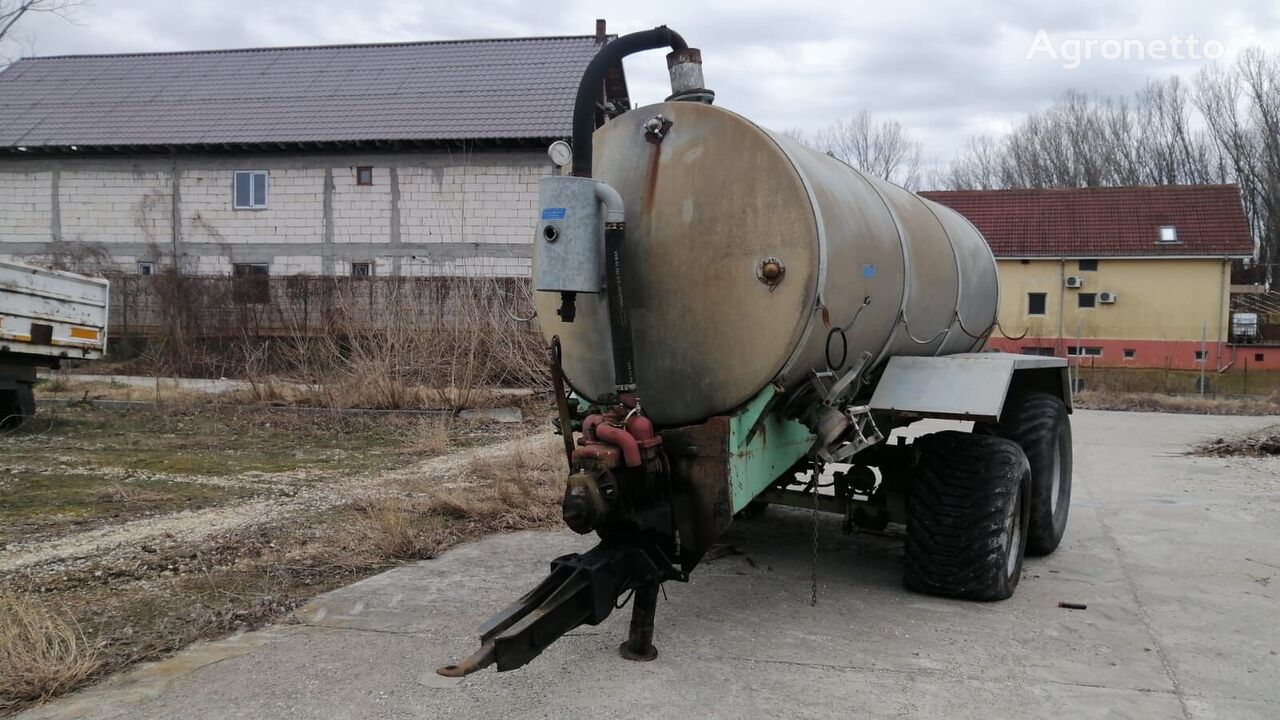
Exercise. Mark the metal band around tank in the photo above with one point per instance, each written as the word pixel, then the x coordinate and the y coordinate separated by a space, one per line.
pixel 955 258
pixel 906 274
pixel 820 286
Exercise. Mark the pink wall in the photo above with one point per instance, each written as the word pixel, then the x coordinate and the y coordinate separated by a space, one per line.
pixel 1174 354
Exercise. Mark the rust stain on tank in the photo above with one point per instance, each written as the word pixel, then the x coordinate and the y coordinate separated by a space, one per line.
pixel 651 179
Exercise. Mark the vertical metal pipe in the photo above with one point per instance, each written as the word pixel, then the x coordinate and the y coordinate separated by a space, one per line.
pixel 562 403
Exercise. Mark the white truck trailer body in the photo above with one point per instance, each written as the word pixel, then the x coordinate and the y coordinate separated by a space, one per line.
pixel 51 313
pixel 46 316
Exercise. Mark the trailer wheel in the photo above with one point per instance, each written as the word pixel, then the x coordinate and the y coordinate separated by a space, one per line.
pixel 16 405
pixel 1040 424
pixel 967 515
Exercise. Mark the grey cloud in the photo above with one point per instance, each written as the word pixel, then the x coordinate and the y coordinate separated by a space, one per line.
pixel 946 70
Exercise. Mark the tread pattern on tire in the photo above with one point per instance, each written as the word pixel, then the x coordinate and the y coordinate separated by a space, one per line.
pixel 1032 420
pixel 956 515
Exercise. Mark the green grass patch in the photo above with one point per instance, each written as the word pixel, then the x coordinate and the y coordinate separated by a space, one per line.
pixel 213 441
pixel 38 504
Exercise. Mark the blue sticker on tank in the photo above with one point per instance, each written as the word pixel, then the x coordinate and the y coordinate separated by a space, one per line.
pixel 552 213
pixel 868 271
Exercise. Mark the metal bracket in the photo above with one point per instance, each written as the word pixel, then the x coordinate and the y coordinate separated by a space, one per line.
pixel 840 390
pixel 860 434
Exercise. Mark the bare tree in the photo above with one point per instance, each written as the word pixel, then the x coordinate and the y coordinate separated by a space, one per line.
pixel 1085 141
pixel 12 11
pixel 977 167
pixel 796 134
pixel 1241 106
pixel 883 149
pixel 1223 128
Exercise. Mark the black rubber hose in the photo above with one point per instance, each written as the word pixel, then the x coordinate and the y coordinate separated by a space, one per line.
pixel 624 372
pixel 584 108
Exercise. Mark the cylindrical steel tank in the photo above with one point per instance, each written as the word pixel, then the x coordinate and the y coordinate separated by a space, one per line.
pixel 714 206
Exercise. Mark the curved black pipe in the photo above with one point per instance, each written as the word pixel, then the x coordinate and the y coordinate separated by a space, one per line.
pixel 584 107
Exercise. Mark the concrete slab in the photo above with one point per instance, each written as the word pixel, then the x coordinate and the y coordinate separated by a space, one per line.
pixel 1176 557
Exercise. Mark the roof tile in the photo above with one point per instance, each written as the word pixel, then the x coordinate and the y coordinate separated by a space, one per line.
pixel 1106 222
pixel 520 88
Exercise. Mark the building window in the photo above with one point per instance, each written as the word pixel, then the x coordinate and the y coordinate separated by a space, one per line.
pixel 1200 355
pixel 1087 300
pixel 1088 265
pixel 252 283
pixel 1130 353
pixel 146 267
pixel 251 189
pixel 361 269
pixel 1168 234
pixel 1074 351
pixel 1257 357
pixel 364 175
pixel 1037 350
pixel 1035 303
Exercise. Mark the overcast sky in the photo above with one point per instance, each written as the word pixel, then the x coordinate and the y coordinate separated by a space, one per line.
pixel 946 70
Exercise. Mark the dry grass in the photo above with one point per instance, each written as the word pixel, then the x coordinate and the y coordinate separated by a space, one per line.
pixel 431 436
pixel 1263 443
pixel 515 490
pixel 388 526
pixel 1191 404
pixel 143 600
pixel 42 654
pixel 129 495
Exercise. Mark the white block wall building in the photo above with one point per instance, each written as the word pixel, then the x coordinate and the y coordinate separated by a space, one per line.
pixel 424 213
pixel 407 159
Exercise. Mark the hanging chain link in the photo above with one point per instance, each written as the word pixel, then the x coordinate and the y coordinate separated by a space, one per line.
pixel 813 581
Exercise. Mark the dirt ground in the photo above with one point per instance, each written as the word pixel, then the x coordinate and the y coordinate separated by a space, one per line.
pixel 141 530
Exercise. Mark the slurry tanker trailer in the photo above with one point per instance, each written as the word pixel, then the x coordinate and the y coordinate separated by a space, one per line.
pixel 736 320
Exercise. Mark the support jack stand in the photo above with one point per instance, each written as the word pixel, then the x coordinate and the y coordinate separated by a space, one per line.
pixel 644 607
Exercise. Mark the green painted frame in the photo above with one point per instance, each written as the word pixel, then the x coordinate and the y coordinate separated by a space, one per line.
pixel 762 446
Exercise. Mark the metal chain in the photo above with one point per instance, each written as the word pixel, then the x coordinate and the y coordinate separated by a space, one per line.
pixel 813 583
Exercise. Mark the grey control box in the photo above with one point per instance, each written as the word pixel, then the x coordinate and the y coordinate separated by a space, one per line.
pixel 569 245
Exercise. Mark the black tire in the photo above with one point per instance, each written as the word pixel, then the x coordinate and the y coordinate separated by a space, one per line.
pixel 966 516
pixel 1040 424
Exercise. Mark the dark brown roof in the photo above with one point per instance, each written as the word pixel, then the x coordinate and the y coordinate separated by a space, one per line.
pixel 1106 222
pixel 520 88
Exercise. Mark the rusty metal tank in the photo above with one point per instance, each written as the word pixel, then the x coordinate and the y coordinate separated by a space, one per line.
pixel 744 249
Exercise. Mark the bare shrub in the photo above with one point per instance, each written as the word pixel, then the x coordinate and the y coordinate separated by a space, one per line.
pixel 445 344
pixel 42 654
pixel 393 342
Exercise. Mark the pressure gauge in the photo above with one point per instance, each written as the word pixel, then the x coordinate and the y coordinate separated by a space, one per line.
pixel 560 152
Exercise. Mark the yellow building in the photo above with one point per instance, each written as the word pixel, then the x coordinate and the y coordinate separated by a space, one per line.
pixel 1114 276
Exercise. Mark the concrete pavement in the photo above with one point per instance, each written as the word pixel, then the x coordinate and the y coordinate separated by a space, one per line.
pixel 1177 557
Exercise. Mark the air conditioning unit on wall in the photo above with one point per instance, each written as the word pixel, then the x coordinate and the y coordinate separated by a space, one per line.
pixel 1075 281
pixel 1107 296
